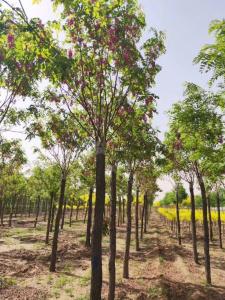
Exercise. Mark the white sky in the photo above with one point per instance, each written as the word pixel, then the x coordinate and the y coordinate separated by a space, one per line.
pixel 186 26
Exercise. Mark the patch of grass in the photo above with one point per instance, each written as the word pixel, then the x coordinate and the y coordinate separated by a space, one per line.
pixel 161 259
pixel 6 282
pixel 83 298
pixel 49 279
pixel 155 291
pixel 62 281
pixel 85 280
pixel 56 294
pixel 70 292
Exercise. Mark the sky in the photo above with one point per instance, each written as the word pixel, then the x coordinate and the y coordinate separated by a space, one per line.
pixel 185 23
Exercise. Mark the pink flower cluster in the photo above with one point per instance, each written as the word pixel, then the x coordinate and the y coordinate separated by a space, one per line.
pixel 10 40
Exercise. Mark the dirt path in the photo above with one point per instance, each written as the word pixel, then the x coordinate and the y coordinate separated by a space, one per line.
pixel 178 275
pixel 160 270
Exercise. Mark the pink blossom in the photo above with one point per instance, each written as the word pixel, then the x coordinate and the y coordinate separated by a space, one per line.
pixel 70 22
pixel 70 53
pixel 10 40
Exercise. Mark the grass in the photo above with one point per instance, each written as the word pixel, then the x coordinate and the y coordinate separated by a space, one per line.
pixel 155 291
pixel 62 281
pixel 6 282
pixel 161 259
pixel 85 280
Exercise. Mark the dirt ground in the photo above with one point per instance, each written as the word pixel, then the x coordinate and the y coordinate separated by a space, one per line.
pixel 161 270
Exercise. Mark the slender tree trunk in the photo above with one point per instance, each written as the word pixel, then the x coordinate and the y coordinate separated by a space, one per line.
pixel 63 214
pixel 46 210
pixel 96 244
pixel 53 216
pixel 77 210
pixel 37 211
pixel 2 213
pixel 29 210
pixel 49 218
pixel 11 212
pixel 123 218
pixel 193 223
pixel 85 215
pixel 119 213
pixel 142 216
pixel 89 219
pixel 57 224
pixel 205 228
pixel 210 219
pixel 219 219
pixel 146 214
pixel 137 220
pixel 112 236
pixel 128 234
pixel 71 213
pixel 178 217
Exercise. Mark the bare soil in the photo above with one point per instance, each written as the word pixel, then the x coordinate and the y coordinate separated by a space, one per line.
pixel 160 270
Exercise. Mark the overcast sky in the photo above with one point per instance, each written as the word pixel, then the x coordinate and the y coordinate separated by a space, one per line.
pixel 185 23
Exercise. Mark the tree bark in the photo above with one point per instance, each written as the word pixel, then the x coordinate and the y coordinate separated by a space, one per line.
pixel 53 216
pixel 89 219
pixel 96 244
pixel 178 217
pixel 71 213
pixel 146 213
pixel 57 224
pixel 112 236
pixel 119 213
pixel 77 210
pixel 193 223
pixel 210 219
pixel 123 217
pixel 137 220
pixel 49 219
pixel 128 234
pixel 205 227
pixel 37 211
pixel 63 214
pixel 142 216
pixel 219 219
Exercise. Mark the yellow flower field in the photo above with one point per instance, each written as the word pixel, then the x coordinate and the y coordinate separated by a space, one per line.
pixel 185 214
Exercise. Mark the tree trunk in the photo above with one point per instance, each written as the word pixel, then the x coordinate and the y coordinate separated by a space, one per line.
pixel 123 218
pixel 85 215
pixel 146 214
pixel 128 234
pixel 136 220
pixel 89 219
pixel 178 217
pixel 219 219
pixel 37 211
pixel 210 219
pixel 77 210
pixel 119 213
pixel 96 244
pixel 53 216
pixel 112 236
pixel 49 218
pixel 46 210
pixel 57 224
pixel 63 215
pixel 2 213
pixel 205 228
pixel 193 223
pixel 142 216
pixel 11 212
pixel 29 210
pixel 71 213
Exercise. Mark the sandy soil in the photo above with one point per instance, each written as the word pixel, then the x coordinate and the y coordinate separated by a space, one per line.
pixel 161 270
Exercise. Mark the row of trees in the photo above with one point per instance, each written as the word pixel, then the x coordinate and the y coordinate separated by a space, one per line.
pixel 194 143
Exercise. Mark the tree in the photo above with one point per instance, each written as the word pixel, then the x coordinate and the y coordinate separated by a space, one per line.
pixel 200 128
